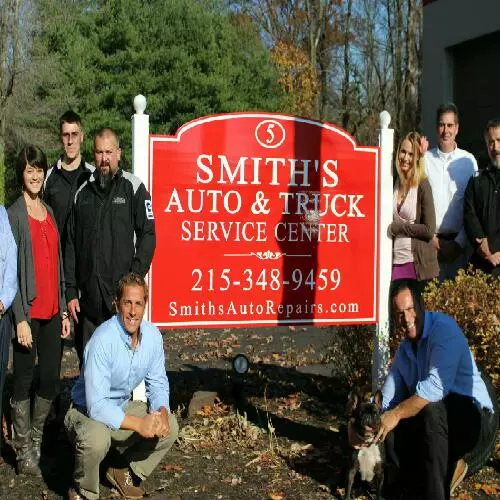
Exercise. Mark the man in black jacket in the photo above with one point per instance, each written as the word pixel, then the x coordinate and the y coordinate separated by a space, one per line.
pixel 482 207
pixel 111 232
pixel 68 173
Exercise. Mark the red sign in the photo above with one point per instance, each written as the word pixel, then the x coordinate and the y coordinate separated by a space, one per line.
pixel 263 219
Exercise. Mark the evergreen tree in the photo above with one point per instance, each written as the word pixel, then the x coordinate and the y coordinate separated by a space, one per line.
pixel 189 58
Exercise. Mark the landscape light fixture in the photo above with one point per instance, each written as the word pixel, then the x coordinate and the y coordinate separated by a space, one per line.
pixel 241 364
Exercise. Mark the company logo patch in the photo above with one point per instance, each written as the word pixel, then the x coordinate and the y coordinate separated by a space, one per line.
pixel 149 209
pixel 119 200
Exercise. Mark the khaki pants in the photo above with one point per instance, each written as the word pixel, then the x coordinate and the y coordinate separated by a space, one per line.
pixel 93 439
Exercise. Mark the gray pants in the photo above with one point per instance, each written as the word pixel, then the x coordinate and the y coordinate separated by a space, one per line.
pixel 93 439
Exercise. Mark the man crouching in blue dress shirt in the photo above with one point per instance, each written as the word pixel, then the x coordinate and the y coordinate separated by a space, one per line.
pixel 438 416
pixel 122 352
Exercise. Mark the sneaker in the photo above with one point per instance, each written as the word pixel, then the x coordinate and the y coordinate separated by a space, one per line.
pixel 74 494
pixel 123 481
pixel 458 475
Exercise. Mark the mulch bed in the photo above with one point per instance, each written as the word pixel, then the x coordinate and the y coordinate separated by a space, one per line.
pixel 277 432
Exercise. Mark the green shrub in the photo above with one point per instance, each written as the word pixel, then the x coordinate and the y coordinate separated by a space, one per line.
pixel 473 300
pixel 350 351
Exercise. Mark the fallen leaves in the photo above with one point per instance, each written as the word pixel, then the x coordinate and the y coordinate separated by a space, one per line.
pixel 217 430
pixel 172 467
pixel 298 449
pixel 488 489
pixel 214 410
pixel 291 403
pixel 233 480
pixel 265 457
pixel 276 496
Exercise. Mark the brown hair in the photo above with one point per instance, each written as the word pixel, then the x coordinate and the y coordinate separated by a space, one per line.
pixel 448 107
pixel 69 117
pixel 107 132
pixel 131 279
pixel 31 156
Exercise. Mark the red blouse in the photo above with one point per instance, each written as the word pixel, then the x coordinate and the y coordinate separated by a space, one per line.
pixel 45 247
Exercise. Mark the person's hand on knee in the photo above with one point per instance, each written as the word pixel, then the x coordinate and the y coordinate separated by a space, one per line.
pixel 162 424
pixel 148 425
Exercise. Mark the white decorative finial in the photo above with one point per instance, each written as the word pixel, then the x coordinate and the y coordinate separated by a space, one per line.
pixel 139 104
pixel 385 119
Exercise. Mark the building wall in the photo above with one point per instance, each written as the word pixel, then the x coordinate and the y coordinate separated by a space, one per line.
pixel 461 50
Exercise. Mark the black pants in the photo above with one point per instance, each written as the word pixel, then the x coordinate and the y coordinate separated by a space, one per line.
pixel 84 330
pixel 92 314
pixel 5 336
pixel 426 447
pixel 46 335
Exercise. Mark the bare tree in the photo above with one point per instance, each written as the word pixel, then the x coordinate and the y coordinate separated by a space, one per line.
pixel 307 25
pixel 383 65
pixel 9 53
pixel 347 67
pixel 411 108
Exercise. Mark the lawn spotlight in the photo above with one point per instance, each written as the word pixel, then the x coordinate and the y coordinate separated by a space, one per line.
pixel 241 365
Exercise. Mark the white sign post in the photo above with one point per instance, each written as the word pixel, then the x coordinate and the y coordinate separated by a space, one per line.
pixel 381 340
pixel 140 140
pixel 140 168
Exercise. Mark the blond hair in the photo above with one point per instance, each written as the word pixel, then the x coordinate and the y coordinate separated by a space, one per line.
pixel 417 171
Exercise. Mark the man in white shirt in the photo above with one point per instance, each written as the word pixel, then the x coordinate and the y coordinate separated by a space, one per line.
pixel 449 169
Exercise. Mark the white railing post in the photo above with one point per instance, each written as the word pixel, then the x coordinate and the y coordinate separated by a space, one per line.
pixel 140 168
pixel 140 140
pixel 140 148
pixel 381 341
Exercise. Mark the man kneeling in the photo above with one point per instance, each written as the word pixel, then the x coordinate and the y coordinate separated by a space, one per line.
pixel 439 417
pixel 123 351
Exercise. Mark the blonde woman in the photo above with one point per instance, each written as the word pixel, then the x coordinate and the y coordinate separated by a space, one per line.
pixel 414 219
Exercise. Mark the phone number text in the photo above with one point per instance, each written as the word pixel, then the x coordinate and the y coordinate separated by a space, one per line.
pixel 265 279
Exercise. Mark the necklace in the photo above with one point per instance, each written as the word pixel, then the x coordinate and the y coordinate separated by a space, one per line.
pixel 36 209
pixel 33 206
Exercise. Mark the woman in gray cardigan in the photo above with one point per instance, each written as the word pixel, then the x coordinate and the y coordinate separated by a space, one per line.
pixel 39 309
pixel 414 218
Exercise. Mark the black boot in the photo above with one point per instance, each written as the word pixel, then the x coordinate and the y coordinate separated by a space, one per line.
pixel 40 413
pixel 21 441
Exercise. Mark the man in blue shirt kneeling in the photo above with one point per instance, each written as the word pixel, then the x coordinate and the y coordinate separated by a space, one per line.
pixel 122 352
pixel 438 417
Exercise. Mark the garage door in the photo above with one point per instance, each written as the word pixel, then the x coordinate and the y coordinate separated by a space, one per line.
pixel 476 72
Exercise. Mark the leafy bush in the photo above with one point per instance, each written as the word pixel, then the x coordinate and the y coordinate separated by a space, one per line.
pixel 473 300
pixel 351 352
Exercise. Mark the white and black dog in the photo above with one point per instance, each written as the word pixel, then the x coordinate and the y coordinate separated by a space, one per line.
pixel 367 457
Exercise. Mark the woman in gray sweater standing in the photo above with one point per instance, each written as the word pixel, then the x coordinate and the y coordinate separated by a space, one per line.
pixel 414 218
pixel 39 309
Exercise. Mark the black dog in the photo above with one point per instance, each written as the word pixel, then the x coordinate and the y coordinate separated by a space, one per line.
pixel 367 458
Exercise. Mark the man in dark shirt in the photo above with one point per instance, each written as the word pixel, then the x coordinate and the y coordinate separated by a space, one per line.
pixel 110 232
pixel 482 207
pixel 68 173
